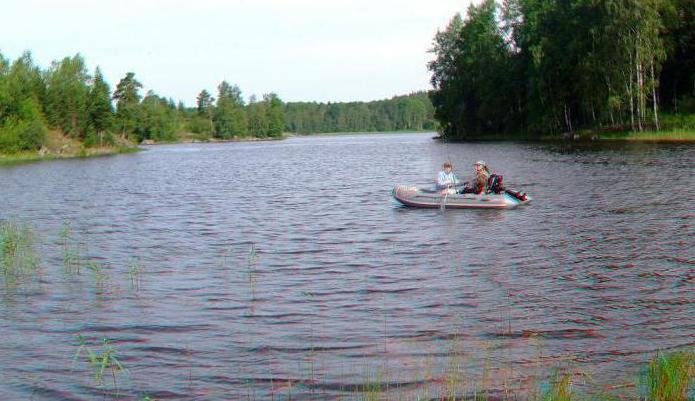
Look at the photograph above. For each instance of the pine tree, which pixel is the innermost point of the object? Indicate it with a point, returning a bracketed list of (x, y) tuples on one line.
[(100, 109)]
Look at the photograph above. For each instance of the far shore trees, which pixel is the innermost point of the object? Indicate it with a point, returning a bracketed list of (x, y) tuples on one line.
[(67, 99)]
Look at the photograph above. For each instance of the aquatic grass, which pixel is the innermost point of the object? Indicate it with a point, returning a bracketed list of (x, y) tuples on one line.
[(454, 376), (101, 275), (72, 261), (669, 377), (101, 361), (252, 261), (560, 388), (19, 258), (372, 388), (135, 274)]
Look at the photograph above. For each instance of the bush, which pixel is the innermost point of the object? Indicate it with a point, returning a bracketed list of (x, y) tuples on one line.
[(678, 121), (17, 136), (92, 139), (200, 125)]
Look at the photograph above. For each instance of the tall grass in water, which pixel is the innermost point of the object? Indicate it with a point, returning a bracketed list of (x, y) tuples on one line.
[(669, 377), (102, 362), (560, 388), (18, 256), (72, 262), (134, 274)]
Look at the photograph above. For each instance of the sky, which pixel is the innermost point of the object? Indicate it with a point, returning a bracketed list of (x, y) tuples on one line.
[(303, 50)]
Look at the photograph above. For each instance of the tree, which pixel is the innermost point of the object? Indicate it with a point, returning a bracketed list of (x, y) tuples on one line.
[(275, 115), (229, 118), (157, 119), (205, 103), (257, 117), (127, 98), (99, 107)]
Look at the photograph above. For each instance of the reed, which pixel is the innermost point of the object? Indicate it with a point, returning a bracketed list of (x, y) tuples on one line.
[(72, 261), (101, 276), (135, 274), (18, 256), (560, 388), (669, 377), (102, 362)]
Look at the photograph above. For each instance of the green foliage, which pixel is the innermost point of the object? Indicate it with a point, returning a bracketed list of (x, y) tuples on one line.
[(101, 361), (99, 107), (538, 67), (229, 117), (411, 112), (157, 119), (205, 103), (67, 99), (21, 135), (19, 82), (200, 125), (669, 376), (67, 94), (678, 121), (127, 98)]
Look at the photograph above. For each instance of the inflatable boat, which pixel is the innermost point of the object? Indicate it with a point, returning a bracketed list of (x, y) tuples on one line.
[(422, 197)]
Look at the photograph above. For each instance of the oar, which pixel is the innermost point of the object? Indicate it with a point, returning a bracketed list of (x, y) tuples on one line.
[(442, 206)]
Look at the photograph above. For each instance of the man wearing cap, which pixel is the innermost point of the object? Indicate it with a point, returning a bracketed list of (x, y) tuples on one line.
[(479, 184)]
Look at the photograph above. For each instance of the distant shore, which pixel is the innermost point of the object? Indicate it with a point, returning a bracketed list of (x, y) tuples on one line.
[(149, 142)]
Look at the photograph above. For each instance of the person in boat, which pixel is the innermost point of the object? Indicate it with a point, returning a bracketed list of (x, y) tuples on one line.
[(446, 178), (479, 185)]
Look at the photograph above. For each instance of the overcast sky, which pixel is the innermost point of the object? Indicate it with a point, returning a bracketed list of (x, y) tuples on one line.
[(304, 50)]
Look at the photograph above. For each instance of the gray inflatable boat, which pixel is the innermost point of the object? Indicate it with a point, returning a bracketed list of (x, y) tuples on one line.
[(412, 196)]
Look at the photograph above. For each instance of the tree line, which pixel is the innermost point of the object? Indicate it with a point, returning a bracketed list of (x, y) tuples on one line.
[(531, 67), (411, 112), (82, 105), (68, 98)]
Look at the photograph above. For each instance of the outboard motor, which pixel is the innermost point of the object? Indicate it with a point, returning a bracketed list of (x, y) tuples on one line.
[(517, 194)]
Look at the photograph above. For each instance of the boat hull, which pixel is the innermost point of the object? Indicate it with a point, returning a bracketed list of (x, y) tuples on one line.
[(416, 197)]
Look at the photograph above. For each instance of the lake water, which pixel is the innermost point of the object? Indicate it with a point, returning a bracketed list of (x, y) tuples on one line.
[(276, 270)]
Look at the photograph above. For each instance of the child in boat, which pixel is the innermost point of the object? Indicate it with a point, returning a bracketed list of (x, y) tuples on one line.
[(446, 178)]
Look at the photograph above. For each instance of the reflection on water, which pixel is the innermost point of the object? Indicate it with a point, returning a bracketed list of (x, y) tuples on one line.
[(278, 268)]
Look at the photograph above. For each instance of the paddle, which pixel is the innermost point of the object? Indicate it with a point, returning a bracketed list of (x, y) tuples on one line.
[(442, 206)]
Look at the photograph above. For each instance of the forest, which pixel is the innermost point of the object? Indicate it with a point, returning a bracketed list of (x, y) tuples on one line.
[(538, 67), (67, 98)]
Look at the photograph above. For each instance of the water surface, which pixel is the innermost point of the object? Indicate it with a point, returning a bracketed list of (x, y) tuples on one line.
[(279, 268)]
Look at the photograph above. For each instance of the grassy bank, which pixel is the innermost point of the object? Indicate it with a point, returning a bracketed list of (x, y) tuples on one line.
[(189, 137), (59, 146), (673, 135)]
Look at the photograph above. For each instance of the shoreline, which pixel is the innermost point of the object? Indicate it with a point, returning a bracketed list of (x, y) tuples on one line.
[(36, 156), (149, 142), (674, 136), (682, 136)]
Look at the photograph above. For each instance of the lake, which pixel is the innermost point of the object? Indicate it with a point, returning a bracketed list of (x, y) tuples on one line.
[(283, 269)]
